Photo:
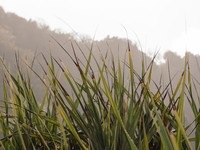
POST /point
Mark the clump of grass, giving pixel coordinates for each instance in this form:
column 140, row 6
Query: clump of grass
column 109, row 109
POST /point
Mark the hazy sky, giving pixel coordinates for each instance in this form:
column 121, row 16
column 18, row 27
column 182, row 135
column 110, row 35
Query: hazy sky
column 159, row 24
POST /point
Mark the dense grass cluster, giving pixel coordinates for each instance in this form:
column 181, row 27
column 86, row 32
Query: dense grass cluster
column 109, row 108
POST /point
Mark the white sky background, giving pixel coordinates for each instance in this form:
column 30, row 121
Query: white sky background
column 159, row 24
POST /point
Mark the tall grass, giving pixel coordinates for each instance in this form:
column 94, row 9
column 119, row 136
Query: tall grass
column 109, row 108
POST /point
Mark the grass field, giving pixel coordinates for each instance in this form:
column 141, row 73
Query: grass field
column 108, row 108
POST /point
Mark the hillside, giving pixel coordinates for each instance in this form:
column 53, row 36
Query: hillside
column 30, row 39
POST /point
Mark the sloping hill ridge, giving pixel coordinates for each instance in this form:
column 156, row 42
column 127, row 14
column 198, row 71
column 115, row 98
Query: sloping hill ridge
column 30, row 39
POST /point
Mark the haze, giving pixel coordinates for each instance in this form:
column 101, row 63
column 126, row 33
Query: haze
column 28, row 39
column 158, row 25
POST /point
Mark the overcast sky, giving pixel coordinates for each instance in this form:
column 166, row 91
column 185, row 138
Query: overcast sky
column 159, row 24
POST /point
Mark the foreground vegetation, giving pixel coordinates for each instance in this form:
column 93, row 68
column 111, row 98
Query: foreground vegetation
column 111, row 107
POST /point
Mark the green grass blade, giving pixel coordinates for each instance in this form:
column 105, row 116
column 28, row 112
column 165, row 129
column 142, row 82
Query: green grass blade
column 117, row 114
column 180, row 126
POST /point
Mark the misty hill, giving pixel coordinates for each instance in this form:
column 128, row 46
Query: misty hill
column 30, row 39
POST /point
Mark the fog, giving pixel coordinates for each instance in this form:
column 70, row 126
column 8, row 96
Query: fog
column 30, row 39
